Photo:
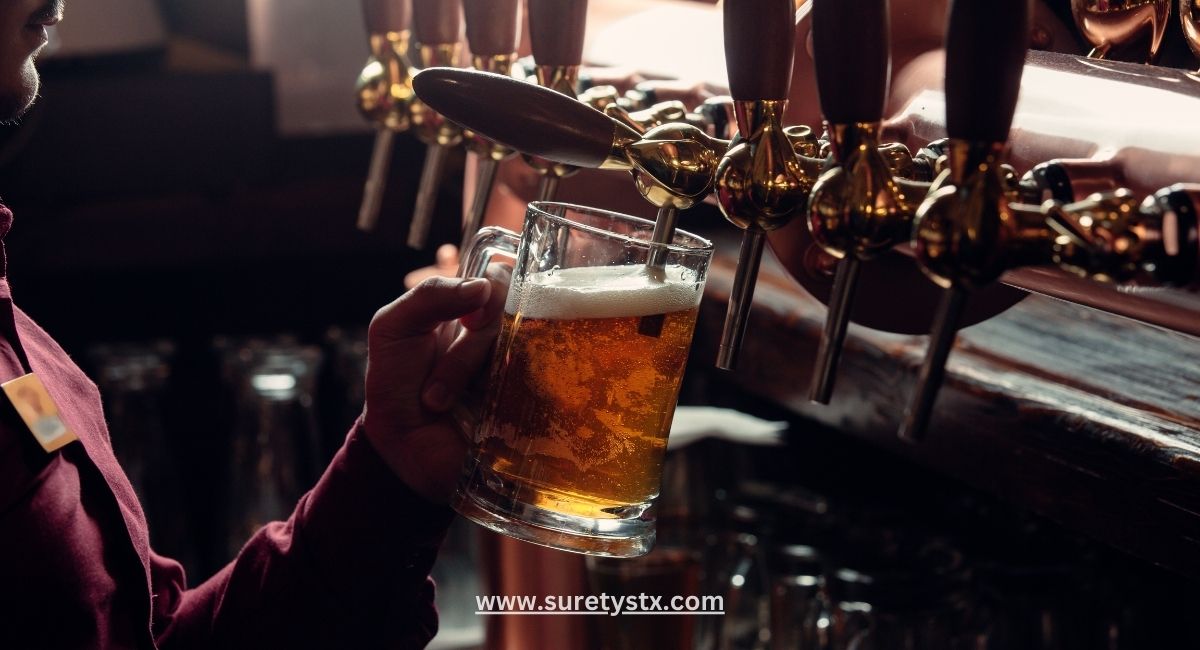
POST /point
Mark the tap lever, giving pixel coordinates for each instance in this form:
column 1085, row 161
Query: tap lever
column 759, row 42
column 436, row 22
column 556, row 30
column 383, row 16
column 493, row 27
column 852, row 81
column 521, row 116
column 986, row 44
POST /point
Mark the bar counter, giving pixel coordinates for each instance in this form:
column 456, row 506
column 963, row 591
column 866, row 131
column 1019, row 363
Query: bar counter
column 1087, row 418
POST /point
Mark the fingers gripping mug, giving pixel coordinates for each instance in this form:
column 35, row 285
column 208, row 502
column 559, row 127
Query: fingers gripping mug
column 583, row 383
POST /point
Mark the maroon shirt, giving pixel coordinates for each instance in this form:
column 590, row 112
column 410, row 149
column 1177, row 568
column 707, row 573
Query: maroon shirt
column 348, row 569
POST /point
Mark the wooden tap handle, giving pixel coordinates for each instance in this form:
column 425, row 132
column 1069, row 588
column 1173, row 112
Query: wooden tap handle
column 383, row 16
column 986, row 43
column 760, row 37
column 851, row 50
column 522, row 116
column 556, row 30
column 437, row 22
column 493, row 26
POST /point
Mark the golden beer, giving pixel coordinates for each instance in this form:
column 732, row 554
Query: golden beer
column 583, row 387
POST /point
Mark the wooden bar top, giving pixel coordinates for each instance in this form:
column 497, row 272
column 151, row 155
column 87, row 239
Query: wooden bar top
column 1089, row 419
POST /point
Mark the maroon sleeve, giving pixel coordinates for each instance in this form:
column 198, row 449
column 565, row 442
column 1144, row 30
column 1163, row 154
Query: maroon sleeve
column 350, row 568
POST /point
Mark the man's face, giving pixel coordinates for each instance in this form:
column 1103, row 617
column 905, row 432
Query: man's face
column 23, row 26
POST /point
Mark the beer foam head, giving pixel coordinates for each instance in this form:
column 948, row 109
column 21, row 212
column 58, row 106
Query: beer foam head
column 604, row 292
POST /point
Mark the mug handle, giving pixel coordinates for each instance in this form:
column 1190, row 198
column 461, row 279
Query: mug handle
column 486, row 244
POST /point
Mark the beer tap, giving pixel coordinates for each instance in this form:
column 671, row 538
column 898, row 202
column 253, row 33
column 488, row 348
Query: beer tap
column 1112, row 26
column 964, row 233
column 436, row 27
column 556, row 30
column 384, row 93
column 1189, row 17
column 856, row 210
column 672, row 165
column 759, row 182
column 493, row 28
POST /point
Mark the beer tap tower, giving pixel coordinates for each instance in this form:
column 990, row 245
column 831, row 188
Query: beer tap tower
column 964, row 230
column 556, row 30
column 856, row 210
column 759, row 182
column 493, row 29
column 384, row 93
column 437, row 26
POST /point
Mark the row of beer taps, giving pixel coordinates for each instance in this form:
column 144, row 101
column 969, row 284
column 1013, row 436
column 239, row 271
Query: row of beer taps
column 965, row 215
column 385, row 97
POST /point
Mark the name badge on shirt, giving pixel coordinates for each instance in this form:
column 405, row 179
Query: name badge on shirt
column 35, row 406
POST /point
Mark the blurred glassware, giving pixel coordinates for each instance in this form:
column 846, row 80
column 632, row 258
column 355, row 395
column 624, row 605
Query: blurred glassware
column 743, row 579
column 666, row 572
column 342, row 392
column 275, row 450
column 132, row 378
column 457, row 575
column 798, row 613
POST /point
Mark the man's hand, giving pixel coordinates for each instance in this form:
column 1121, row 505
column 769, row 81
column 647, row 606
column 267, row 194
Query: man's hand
column 446, row 266
column 415, row 374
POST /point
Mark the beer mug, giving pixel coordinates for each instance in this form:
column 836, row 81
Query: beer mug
column 569, row 447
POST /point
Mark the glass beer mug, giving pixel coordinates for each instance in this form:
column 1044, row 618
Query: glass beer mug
column 569, row 447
